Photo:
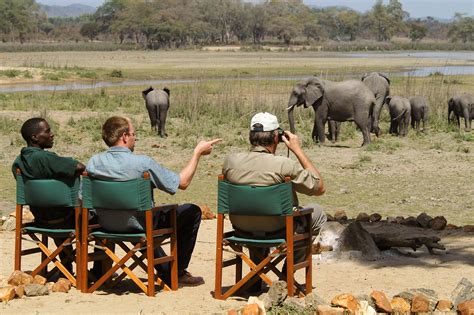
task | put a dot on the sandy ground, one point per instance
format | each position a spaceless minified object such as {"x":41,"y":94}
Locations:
{"x":333,"y":274}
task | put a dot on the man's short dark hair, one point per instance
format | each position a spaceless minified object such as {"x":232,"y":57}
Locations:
{"x":261,"y":138}
{"x":30,"y":127}
{"x":113,"y":129}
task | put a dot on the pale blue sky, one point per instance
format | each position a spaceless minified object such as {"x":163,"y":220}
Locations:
{"x":417,"y":8}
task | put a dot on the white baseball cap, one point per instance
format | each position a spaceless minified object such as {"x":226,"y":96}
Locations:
{"x":267,"y":120}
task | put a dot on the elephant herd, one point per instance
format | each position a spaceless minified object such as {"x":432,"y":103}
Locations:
{"x":362,"y":102}
{"x":334,"y":102}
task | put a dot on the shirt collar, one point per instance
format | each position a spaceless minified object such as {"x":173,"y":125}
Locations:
{"x":119,"y":149}
{"x":259,"y":149}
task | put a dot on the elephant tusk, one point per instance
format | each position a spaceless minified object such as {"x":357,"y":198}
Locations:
{"x":291,"y":107}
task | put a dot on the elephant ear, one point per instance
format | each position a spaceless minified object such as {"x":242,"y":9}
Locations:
{"x":383,"y":75}
{"x":145,"y":92}
{"x":387,"y":99}
{"x":314,"y":90}
{"x":166,"y":90}
{"x":364,"y":76}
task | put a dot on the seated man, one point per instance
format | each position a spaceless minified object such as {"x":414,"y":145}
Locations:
{"x":261,"y":167}
{"x":37,"y":163}
{"x":119,"y":163}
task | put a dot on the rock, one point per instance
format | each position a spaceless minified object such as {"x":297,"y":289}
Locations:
{"x":420,"y":304}
{"x":366,"y":308}
{"x":424,"y":220}
{"x":232,"y":312}
{"x":260,"y":303}
{"x":450,"y":226}
{"x":375,"y":217}
{"x":400,"y":305}
{"x":20,"y":291}
{"x":19,"y":277}
{"x":7,"y":294}
{"x":355,"y":237}
{"x":468,"y":228}
{"x":466,"y":307}
{"x":381,"y":302}
{"x":276,"y":294}
{"x":35,"y":289}
{"x":392,"y":220}
{"x":399,"y":219}
{"x":438,"y":223}
{"x":39,"y":280}
{"x":365,"y":297}
{"x":328,"y":310}
{"x":362,"y":217}
{"x":251,"y":309}
{"x":296,"y":304}
{"x":346,"y":301}
{"x":330,"y":217}
{"x":444,"y":306}
{"x":9,"y":224}
{"x":314,"y":300}
{"x":49,"y":285}
{"x":464,"y":291}
{"x":27,"y":216}
{"x":411,"y":221}
{"x":62,"y":285}
{"x":428,"y":293}
{"x":340,"y":216}
{"x":330,"y":234}
{"x":206,"y":212}
{"x":317,"y":248}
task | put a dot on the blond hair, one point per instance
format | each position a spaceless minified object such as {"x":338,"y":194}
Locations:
{"x":114,"y":128}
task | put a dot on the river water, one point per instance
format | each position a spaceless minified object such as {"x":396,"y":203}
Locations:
{"x":412,"y":71}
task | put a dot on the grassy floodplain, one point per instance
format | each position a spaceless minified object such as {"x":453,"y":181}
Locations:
{"x":428,"y":172}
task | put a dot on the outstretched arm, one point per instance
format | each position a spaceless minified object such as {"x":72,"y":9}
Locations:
{"x":292,"y":142}
{"x":187,"y":173}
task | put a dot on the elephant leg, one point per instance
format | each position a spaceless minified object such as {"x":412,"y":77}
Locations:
{"x":364,"y":128}
{"x":458,"y":121}
{"x":162,"y":120}
{"x":467,"y":119}
{"x":318,"y":131}
{"x":332,"y":130}
{"x":152,"y":113}
{"x":337,"y":130}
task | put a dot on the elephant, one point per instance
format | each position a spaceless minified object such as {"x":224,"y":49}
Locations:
{"x":379,"y":84}
{"x":419,"y":112}
{"x":157,"y":104}
{"x":400,"y":112}
{"x":462,"y":105}
{"x":339,"y":101}
{"x":334,"y":128}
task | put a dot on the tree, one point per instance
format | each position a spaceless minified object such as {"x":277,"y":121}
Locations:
{"x":20,"y":18}
{"x":417,"y":30}
{"x":462,"y":28}
{"x":90,"y":30}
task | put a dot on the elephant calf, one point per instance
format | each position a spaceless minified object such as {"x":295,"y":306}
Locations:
{"x":419,"y":112}
{"x":400,"y":112}
{"x":462,"y":105}
{"x":157,"y":104}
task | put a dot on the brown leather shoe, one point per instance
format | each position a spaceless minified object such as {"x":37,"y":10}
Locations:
{"x":186,"y":279}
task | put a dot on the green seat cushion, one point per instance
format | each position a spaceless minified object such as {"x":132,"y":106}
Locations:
{"x":256,"y":242}
{"x":55,"y":232}
{"x":118,"y":236}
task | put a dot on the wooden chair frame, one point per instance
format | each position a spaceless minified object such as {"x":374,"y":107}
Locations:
{"x":47,"y":256}
{"x":148,"y":243}
{"x":269,"y":263}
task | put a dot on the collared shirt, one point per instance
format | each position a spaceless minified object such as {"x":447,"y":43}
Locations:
{"x":40,"y":164}
{"x":120,"y":164}
{"x":261,"y":167}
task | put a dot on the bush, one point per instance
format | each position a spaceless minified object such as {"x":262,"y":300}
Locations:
{"x":116,"y":74}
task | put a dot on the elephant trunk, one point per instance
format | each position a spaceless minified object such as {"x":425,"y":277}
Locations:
{"x":291,"y":118}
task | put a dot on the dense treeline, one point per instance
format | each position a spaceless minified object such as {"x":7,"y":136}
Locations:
{"x":179,"y":23}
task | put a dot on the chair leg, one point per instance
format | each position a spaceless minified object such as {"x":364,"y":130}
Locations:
{"x":218,"y":280}
{"x":174,"y":251}
{"x":44,"y":240}
{"x":83,"y":238}
{"x":238,"y":266}
{"x":290,"y":257}
{"x":18,"y":225}
{"x":150,"y":254}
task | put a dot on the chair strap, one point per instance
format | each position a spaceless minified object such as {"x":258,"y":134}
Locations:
{"x":259,"y":234}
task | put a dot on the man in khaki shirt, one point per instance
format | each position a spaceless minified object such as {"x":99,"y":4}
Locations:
{"x":261,"y":167}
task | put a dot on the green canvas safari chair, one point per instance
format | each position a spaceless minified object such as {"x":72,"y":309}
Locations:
{"x":275,"y":200}
{"x":136,"y":195}
{"x":47,"y":193}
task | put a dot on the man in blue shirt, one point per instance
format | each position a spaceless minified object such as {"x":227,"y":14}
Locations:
{"x":120,"y":163}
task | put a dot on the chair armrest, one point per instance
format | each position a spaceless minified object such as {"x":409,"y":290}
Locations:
{"x":301,"y":212}
{"x":165,"y":207}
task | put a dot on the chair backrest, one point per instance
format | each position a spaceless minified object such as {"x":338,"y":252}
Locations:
{"x":47,"y":192}
{"x":274,"y":200}
{"x":135,"y":194}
